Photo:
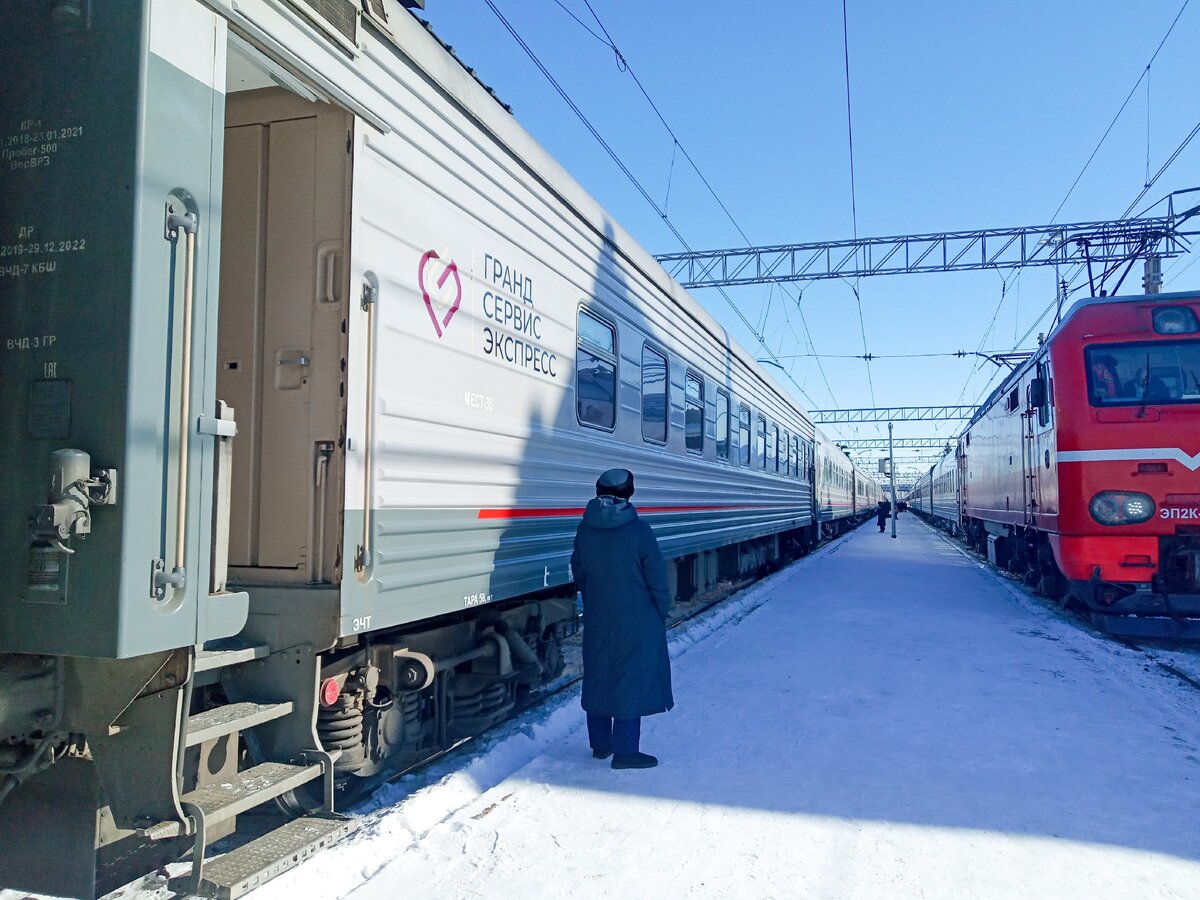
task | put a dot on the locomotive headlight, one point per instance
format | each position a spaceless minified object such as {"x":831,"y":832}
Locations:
{"x":1175,"y":320}
{"x":1121,"y":507}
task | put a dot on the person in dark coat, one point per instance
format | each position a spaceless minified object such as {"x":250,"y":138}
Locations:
{"x":626,"y":670}
{"x":884,"y":510}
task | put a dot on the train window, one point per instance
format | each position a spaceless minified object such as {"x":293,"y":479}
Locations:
{"x":654,"y":395}
{"x":796,"y":455}
{"x":760,"y":443}
{"x":785,"y":459}
{"x":693,"y":413}
{"x":772,"y":461}
{"x":744,"y":435}
{"x":596,"y":372}
{"x":1161,"y":372}
{"x":722,"y":425}
{"x":1014,"y":399}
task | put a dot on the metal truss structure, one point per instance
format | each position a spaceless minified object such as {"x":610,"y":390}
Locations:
{"x":892,"y":414}
{"x":1105,"y":243}
{"x":906,"y":463}
{"x":856,"y":445}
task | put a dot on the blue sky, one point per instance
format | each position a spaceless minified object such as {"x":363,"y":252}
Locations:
{"x":965,"y":116}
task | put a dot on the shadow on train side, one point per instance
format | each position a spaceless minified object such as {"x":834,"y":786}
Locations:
{"x":702,"y":512}
{"x":868,"y":695}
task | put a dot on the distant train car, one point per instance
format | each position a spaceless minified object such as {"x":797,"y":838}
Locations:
{"x":1079,"y":471}
{"x":312,"y":358}
{"x":936,"y":494}
{"x":845,"y":494}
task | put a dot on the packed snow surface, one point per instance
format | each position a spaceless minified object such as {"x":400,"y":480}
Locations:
{"x":887,"y":718}
{"x":884,"y":719}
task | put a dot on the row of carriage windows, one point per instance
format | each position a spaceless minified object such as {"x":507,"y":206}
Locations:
{"x":773,"y":449}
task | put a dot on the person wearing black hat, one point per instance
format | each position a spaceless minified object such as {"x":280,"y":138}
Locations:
{"x":626,"y":670}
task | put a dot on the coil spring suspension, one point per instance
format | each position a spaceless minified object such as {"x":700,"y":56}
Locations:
{"x":480,"y":702}
{"x":340,"y":727}
{"x":410,"y":706}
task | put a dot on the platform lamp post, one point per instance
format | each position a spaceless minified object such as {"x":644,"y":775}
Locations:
{"x":892,"y":476}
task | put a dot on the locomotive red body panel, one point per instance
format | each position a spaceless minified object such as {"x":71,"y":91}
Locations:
{"x":1083,"y":464}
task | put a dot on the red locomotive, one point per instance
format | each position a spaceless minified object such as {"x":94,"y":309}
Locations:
{"x":1080,"y":471}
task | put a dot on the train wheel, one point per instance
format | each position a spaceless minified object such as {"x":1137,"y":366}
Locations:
{"x":1052,"y":585}
{"x":552,"y":656}
{"x":1032,"y":577}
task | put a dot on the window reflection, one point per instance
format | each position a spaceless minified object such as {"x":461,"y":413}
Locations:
{"x":693,"y":416}
{"x":1161,"y":372}
{"x":654,"y":395}
{"x":722,"y":425}
{"x":596,"y":372}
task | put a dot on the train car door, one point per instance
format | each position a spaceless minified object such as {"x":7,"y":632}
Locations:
{"x":1042,"y":446}
{"x":1028,"y":462}
{"x":961,"y":480}
{"x":281,"y":340}
{"x":810,"y":472}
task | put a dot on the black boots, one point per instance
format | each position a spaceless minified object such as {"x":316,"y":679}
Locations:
{"x":634,"y":761}
{"x":601,"y":754}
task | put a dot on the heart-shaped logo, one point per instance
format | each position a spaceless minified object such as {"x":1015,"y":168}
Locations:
{"x":443,"y":293}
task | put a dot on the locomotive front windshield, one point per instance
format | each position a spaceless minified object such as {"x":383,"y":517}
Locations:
{"x":1141,"y":374}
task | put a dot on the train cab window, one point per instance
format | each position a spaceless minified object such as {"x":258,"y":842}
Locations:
{"x":722,"y":425}
{"x":744,"y":435}
{"x":760,"y":442}
{"x":1158,"y":372}
{"x":596,"y":372}
{"x":654,"y":395}
{"x":693,"y":413}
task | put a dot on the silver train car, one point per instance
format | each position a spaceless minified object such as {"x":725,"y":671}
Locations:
{"x":312,"y":357}
{"x":937,"y":495}
{"x":845,"y":493}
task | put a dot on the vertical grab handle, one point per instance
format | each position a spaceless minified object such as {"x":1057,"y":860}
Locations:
{"x":187,"y":223}
{"x":369,"y":302}
{"x":329,"y":273}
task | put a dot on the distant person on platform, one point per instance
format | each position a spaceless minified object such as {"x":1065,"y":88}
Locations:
{"x":626,"y":670}
{"x":882,"y":512}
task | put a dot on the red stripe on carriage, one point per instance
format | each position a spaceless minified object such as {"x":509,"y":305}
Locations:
{"x":578,"y":511}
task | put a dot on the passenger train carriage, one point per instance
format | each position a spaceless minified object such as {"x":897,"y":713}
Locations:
{"x":1079,"y":471}
{"x":311,"y":359}
{"x":935,"y":494}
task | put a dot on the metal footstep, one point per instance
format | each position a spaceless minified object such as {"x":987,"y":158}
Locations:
{"x":242,"y":870}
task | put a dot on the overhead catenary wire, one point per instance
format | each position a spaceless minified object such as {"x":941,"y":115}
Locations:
{"x":959,"y":354}
{"x":632,"y":178}
{"x":1142,"y":75}
{"x":862,"y":327}
{"x":624,"y":66}
{"x":1078,"y":269}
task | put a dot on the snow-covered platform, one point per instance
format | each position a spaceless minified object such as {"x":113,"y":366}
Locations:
{"x":886,"y":718}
